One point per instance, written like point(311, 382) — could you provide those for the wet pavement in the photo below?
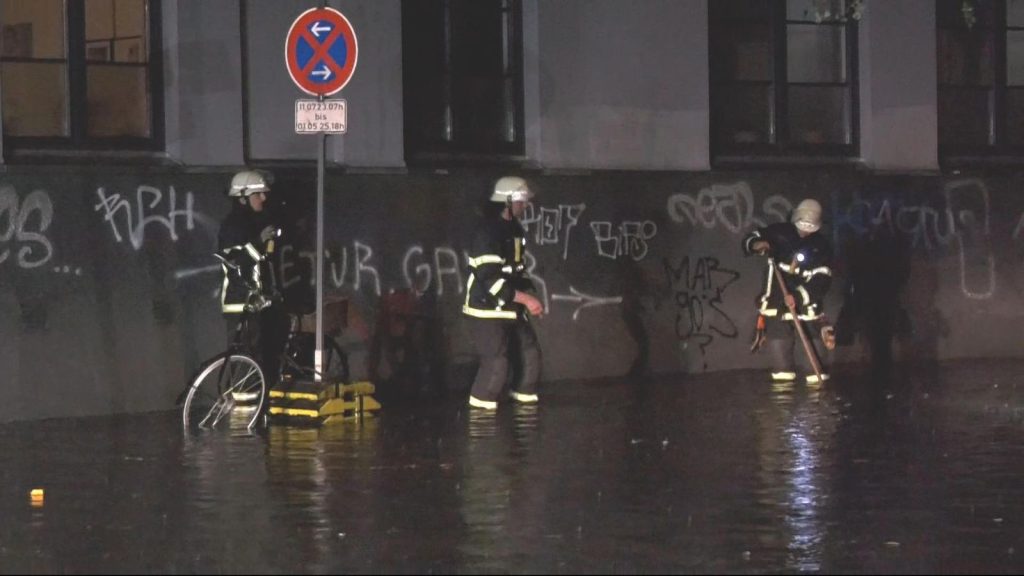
point(709, 473)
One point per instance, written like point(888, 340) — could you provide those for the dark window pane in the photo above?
point(476, 37)
point(814, 10)
point(480, 112)
point(1015, 117)
point(964, 117)
point(509, 121)
point(742, 51)
point(966, 57)
point(118, 101)
point(984, 12)
point(819, 115)
point(35, 99)
point(432, 112)
point(815, 53)
point(949, 14)
point(462, 76)
point(425, 42)
point(743, 114)
point(739, 9)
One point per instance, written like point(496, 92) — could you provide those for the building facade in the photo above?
point(654, 132)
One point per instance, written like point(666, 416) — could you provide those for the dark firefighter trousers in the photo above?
point(787, 351)
point(264, 334)
point(496, 341)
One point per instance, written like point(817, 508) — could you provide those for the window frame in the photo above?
point(75, 60)
point(420, 150)
point(997, 116)
point(778, 115)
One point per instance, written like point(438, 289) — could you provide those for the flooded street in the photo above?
point(723, 472)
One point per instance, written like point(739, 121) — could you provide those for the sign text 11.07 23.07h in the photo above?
point(321, 116)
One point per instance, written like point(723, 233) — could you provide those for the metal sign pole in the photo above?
point(321, 64)
point(318, 356)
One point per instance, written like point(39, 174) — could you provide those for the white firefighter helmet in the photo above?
point(807, 216)
point(247, 183)
point(511, 189)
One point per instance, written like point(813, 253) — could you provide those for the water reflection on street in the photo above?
point(710, 473)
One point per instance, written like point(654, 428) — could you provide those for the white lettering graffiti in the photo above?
point(420, 275)
point(553, 223)
point(630, 239)
point(731, 205)
point(136, 223)
point(973, 236)
point(363, 255)
point(336, 265)
point(18, 226)
point(422, 271)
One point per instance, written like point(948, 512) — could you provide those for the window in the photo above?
point(80, 74)
point(981, 77)
point(782, 77)
point(462, 74)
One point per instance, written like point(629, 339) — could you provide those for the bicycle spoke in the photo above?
point(217, 409)
point(227, 394)
point(225, 408)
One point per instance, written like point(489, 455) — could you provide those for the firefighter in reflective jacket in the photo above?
point(244, 244)
point(803, 257)
point(498, 304)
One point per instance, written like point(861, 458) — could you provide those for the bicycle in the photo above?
point(230, 390)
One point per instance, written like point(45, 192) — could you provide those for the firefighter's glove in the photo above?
point(268, 234)
point(828, 337)
point(258, 303)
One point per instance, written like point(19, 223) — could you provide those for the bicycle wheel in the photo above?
point(226, 395)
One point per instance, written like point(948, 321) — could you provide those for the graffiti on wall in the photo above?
point(438, 269)
point(23, 227)
point(630, 239)
point(145, 209)
point(728, 205)
point(962, 225)
point(697, 289)
point(553, 225)
point(583, 301)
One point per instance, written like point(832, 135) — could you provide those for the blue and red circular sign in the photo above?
point(321, 51)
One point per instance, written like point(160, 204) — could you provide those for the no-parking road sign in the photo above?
point(321, 51)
